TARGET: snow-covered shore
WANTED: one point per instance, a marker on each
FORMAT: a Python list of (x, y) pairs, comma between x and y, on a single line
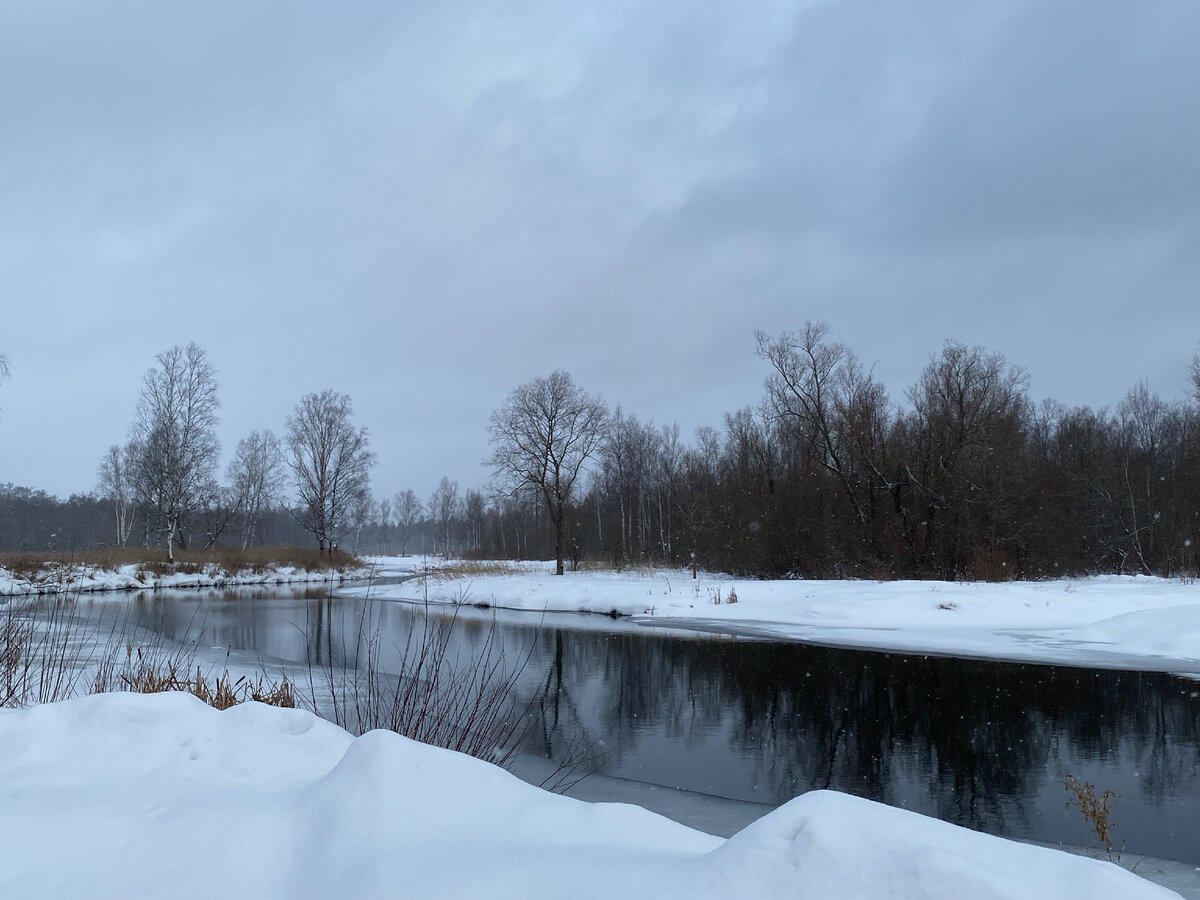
[(1103, 621), (126, 795), (87, 578)]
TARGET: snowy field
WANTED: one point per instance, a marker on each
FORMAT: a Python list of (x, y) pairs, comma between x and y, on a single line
[(129, 795), (1123, 622), (85, 578)]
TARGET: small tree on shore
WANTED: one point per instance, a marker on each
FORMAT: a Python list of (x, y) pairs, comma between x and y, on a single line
[(116, 478), (444, 509), (256, 480), (409, 509), (176, 431), (541, 437), (331, 461)]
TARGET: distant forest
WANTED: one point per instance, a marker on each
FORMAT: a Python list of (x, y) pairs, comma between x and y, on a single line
[(825, 476)]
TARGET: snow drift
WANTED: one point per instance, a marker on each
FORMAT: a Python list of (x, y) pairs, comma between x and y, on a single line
[(122, 795)]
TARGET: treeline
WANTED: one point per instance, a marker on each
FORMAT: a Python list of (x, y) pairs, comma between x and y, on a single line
[(32, 520), (826, 475)]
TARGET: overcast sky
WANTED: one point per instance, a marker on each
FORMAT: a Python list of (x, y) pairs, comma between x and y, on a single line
[(424, 205)]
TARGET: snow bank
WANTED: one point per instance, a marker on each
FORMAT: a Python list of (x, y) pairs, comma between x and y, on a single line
[(121, 795), (1106, 621), (86, 578)]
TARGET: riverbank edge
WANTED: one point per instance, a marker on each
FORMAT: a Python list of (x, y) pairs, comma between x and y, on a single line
[(1134, 623), (85, 579)]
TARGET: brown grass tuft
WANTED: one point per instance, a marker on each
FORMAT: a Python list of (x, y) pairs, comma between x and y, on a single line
[(147, 672), (472, 569), (1096, 809)]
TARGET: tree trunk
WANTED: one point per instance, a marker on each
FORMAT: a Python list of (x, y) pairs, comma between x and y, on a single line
[(558, 543)]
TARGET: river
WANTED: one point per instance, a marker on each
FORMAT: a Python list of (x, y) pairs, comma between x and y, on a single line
[(986, 745)]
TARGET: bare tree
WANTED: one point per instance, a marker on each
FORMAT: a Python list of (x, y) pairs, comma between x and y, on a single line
[(967, 428), (834, 407), (409, 510), (541, 437), (116, 478), (444, 508), (382, 523), (1142, 422), (360, 515), (176, 430), (630, 459), (331, 461), (218, 507), (256, 480), (473, 515)]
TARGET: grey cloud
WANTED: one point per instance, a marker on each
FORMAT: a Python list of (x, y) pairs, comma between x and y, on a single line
[(424, 205), (1076, 118)]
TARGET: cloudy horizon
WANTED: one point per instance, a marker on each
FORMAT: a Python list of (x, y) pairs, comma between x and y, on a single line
[(423, 207)]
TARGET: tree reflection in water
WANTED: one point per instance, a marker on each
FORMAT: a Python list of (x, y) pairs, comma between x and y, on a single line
[(981, 744)]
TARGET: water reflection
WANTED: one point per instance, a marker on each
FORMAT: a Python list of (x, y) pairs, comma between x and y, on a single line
[(981, 744)]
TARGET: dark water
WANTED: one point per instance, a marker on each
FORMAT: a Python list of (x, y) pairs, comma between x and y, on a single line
[(985, 745)]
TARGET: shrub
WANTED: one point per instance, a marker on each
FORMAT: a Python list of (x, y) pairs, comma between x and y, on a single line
[(469, 705)]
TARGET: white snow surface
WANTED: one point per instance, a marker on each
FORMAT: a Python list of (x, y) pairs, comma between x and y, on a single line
[(89, 578), (127, 796), (1130, 622)]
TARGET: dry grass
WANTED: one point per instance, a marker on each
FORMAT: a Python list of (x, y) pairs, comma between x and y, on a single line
[(41, 660), (51, 566), (34, 567), (468, 569), (714, 594), (146, 672), (16, 636), (1096, 809)]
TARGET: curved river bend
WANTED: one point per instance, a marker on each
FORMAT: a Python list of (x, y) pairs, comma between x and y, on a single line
[(981, 744)]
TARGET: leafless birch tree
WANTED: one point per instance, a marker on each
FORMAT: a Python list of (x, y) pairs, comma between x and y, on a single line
[(444, 508), (256, 480), (541, 437), (331, 461), (176, 430), (116, 478), (408, 509)]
